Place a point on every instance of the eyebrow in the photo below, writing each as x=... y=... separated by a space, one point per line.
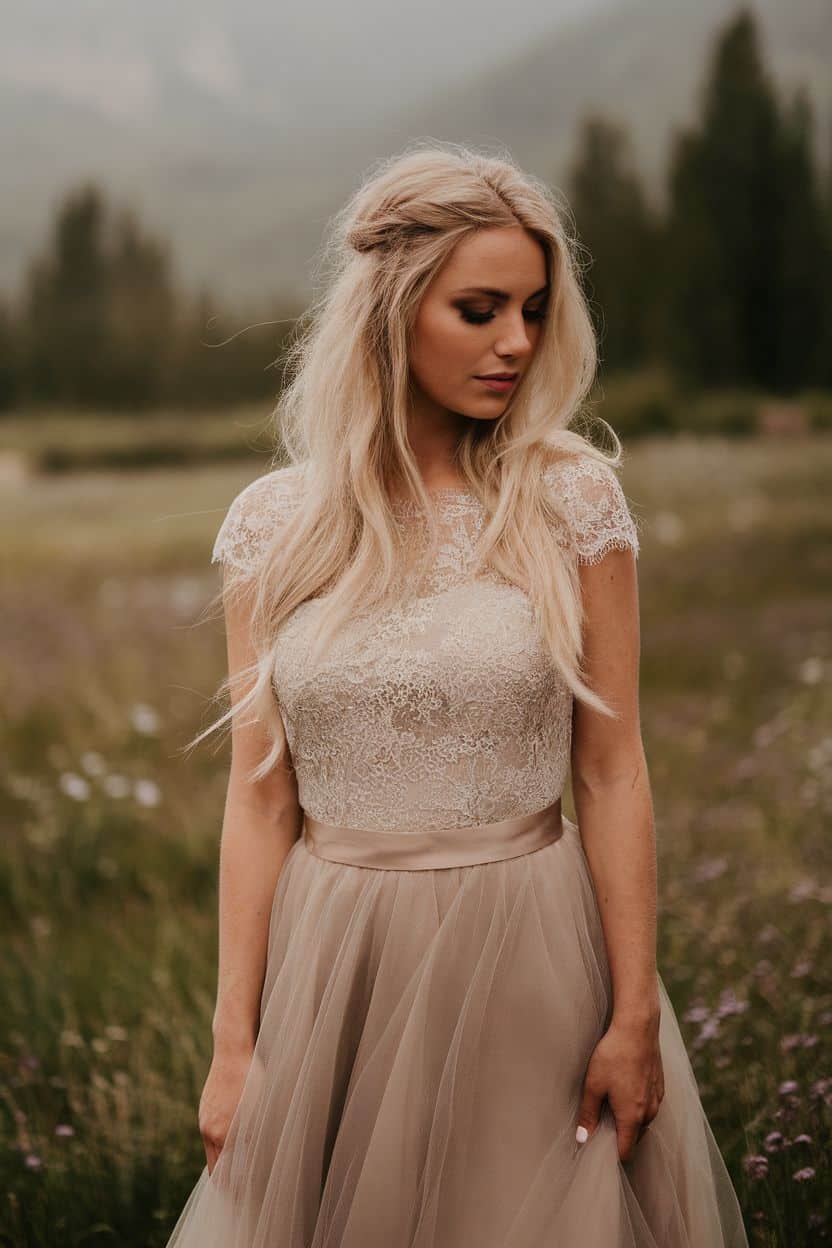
x=498 y=294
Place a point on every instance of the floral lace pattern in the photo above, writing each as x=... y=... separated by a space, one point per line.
x=599 y=518
x=445 y=711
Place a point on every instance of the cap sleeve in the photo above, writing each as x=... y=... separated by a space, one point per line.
x=597 y=513
x=253 y=517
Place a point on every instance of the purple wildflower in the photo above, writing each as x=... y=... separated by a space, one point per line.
x=756 y=1166
x=729 y=1003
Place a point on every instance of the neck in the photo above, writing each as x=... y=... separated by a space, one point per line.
x=434 y=434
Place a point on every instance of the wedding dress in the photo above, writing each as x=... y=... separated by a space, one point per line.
x=437 y=977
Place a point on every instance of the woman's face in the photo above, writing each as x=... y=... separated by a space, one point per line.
x=482 y=314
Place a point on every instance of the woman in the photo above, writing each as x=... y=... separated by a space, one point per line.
x=439 y=1022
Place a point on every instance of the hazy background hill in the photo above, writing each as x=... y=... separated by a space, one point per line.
x=230 y=137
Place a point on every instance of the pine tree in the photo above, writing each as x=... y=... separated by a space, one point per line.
x=617 y=227
x=66 y=327
x=745 y=231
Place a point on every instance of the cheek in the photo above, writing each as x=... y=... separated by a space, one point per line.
x=445 y=349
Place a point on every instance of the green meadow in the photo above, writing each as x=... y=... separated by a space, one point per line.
x=110 y=829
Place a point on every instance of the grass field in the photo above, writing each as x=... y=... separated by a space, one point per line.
x=110 y=834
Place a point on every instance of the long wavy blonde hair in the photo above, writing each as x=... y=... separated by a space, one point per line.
x=344 y=416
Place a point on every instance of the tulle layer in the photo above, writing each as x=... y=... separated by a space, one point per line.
x=418 y=1069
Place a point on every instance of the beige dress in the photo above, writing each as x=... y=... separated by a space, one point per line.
x=437 y=976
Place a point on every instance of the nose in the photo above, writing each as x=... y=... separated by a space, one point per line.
x=514 y=339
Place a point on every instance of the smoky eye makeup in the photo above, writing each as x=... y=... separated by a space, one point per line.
x=475 y=316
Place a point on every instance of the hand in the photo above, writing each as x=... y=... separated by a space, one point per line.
x=626 y=1068
x=220 y=1099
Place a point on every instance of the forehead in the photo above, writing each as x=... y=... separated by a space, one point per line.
x=507 y=257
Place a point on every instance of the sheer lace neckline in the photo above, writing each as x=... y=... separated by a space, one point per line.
x=440 y=495
x=595 y=515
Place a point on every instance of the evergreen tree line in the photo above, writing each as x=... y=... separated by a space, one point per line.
x=725 y=284
x=100 y=323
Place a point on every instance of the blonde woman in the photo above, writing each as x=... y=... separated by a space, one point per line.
x=439 y=1022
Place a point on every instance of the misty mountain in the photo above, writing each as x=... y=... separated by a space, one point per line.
x=237 y=138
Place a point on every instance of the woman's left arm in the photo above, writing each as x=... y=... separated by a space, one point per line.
x=613 y=806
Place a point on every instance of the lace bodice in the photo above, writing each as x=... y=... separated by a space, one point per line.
x=447 y=711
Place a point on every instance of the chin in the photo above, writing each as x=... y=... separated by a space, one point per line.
x=490 y=409
x=482 y=416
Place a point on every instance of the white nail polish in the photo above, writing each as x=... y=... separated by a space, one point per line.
x=582 y=1135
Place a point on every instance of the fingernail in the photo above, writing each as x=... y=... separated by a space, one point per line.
x=582 y=1135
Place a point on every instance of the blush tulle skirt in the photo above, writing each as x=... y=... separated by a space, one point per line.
x=423 y=1039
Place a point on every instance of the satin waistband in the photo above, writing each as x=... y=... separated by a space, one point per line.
x=437 y=848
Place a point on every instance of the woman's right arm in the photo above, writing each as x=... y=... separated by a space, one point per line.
x=261 y=822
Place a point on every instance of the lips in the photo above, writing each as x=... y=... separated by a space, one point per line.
x=500 y=383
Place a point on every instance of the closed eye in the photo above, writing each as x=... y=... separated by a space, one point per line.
x=480 y=318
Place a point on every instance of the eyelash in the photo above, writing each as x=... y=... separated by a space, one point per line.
x=481 y=318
